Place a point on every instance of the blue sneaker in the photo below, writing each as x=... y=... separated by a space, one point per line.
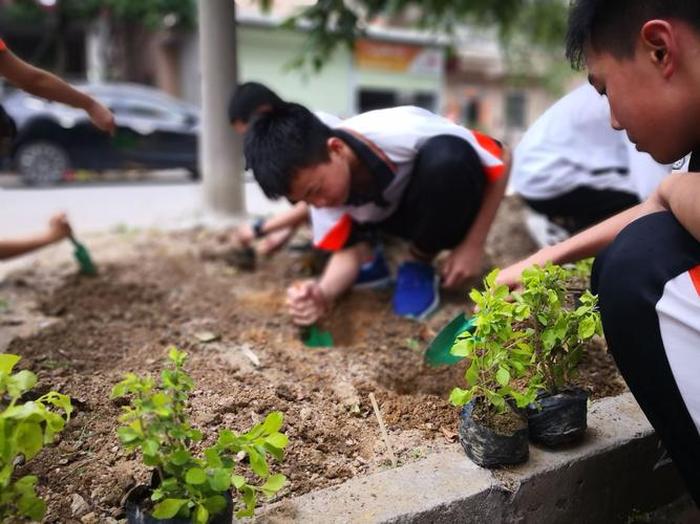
x=416 y=294
x=374 y=274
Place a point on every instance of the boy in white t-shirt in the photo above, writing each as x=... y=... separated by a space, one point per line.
x=575 y=169
x=401 y=171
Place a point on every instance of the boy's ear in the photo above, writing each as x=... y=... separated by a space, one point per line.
x=659 y=43
x=334 y=144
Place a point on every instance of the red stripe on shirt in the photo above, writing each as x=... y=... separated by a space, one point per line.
x=695 y=277
x=338 y=235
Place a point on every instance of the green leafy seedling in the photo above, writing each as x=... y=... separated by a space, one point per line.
x=560 y=324
x=192 y=485
x=25 y=428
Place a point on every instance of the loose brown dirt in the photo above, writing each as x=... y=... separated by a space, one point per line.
x=154 y=290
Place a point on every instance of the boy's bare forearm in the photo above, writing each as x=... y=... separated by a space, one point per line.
x=342 y=270
x=293 y=217
x=20 y=246
x=680 y=194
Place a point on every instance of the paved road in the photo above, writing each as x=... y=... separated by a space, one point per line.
x=164 y=202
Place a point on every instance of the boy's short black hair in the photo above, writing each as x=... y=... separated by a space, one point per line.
x=283 y=141
x=248 y=98
x=613 y=25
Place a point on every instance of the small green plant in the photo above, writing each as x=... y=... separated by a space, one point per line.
x=500 y=355
x=25 y=428
x=560 y=324
x=156 y=423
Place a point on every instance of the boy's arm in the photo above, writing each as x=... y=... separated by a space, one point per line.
x=58 y=229
x=586 y=244
x=680 y=194
x=292 y=217
x=465 y=260
x=43 y=84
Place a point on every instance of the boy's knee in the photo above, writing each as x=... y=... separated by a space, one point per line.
x=630 y=275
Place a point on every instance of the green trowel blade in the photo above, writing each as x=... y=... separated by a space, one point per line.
x=438 y=352
x=314 y=337
x=82 y=255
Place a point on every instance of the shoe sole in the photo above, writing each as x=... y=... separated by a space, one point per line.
x=432 y=307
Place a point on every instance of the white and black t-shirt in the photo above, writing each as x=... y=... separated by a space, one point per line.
x=387 y=141
x=573 y=145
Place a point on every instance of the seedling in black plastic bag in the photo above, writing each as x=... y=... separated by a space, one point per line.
x=190 y=485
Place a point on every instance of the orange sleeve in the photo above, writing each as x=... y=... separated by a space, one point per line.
x=493 y=173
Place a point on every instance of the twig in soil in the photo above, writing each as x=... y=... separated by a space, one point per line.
x=385 y=435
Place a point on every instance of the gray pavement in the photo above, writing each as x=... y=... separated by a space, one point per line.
x=158 y=200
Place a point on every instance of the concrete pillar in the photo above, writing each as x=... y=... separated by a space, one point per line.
x=96 y=48
x=220 y=156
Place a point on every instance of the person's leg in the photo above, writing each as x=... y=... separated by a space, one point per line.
x=648 y=281
x=436 y=212
x=442 y=197
x=583 y=207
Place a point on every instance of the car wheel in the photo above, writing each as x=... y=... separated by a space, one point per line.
x=41 y=163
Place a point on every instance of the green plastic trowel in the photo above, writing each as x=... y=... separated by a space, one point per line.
x=82 y=255
x=315 y=337
x=438 y=352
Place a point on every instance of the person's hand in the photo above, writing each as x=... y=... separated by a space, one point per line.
x=306 y=302
x=101 y=117
x=512 y=275
x=59 y=228
x=244 y=235
x=463 y=263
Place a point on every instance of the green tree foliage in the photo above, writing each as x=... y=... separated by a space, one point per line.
x=192 y=486
x=332 y=23
x=25 y=428
x=155 y=14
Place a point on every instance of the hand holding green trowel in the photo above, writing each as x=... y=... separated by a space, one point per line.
x=307 y=304
x=58 y=229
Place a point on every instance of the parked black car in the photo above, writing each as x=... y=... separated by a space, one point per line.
x=154 y=131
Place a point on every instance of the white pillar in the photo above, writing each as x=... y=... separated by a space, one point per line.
x=96 y=48
x=220 y=156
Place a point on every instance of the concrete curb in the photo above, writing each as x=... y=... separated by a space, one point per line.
x=618 y=468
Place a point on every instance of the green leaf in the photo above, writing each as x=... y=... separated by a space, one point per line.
x=176 y=356
x=238 y=481
x=220 y=479
x=127 y=434
x=278 y=440
x=21 y=382
x=249 y=499
x=273 y=422
x=273 y=484
x=7 y=362
x=195 y=476
x=472 y=373
x=216 y=504
x=168 y=508
x=201 y=515
x=28 y=439
x=587 y=328
x=180 y=457
x=502 y=376
x=150 y=447
x=459 y=397
x=257 y=462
